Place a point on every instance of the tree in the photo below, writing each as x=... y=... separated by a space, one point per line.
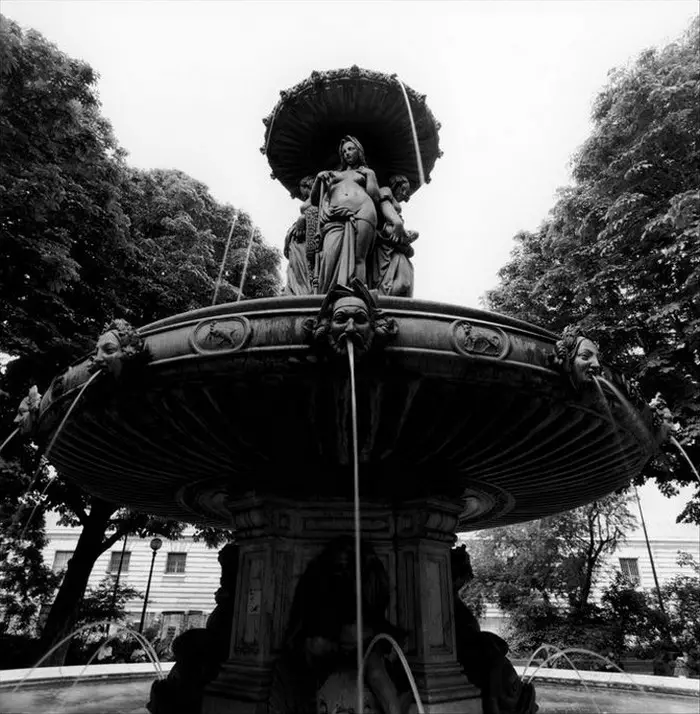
x=619 y=251
x=681 y=595
x=26 y=583
x=542 y=573
x=85 y=239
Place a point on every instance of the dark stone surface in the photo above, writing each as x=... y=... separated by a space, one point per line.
x=462 y=403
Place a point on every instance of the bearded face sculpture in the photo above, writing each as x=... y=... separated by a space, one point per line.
x=349 y=314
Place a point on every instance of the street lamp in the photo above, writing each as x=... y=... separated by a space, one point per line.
x=156 y=544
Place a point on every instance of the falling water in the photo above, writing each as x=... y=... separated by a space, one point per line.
x=9 y=439
x=559 y=653
x=223 y=259
x=682 y=451
x=47 y=452
x=563 y=655
x=404 y=662
x=624 y=403
x=416 y=145
x=356 y=498
x=245 y=264
x=147 y=647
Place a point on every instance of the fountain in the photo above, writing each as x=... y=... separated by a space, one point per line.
x=242 y=416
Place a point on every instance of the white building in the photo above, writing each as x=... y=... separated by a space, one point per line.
x=186 y=573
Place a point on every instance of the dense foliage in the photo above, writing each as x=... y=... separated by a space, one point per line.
x=542 y=573
x=619 y=252
x=84 y=239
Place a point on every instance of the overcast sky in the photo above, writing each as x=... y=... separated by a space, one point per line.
x=186 y=84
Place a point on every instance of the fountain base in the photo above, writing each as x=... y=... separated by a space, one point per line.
x=277 y=540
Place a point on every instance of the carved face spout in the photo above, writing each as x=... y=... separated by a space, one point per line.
x=108 y=354
x=350 y=321
x=586 y=364
x=350 y=154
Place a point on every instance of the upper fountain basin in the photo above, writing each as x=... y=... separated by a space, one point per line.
x=462 y=403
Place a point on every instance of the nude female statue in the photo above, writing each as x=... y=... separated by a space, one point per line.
x=347 y=201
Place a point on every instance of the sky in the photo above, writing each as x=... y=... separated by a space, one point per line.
x=186 y=84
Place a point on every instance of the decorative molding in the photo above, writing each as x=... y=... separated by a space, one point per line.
x=221 y=335
x=470 y=338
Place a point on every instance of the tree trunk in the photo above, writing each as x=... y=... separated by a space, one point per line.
x=64 y=610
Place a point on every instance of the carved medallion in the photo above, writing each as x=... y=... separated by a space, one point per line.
x=475 y=339
x=229 y=334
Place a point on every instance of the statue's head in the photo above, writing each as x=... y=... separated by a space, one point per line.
x=351 y=153
x=305 y=186
x=461 y=565
x=338 y=695
x=27 y=411
x=400 y=187
x=350 y=314
x=578 y=356
x=117 y=344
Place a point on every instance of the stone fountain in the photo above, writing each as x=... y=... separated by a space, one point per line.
x=239 y=415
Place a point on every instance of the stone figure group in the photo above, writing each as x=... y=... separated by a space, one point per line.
x=350 y=227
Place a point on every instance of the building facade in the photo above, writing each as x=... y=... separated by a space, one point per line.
x=186 y=573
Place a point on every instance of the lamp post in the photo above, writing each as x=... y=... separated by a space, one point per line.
x=156 y=544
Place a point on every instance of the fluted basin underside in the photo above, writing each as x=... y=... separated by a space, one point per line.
x=462 y=404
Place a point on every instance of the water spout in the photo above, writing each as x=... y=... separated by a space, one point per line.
x=404 y=662
x=414 y=133
x=223 y=259
x=683 y=453
x=356 y=499
x=9 y=439
x=47 y=452
x=147 y=647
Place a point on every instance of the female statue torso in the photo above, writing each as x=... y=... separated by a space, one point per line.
x=348 y=217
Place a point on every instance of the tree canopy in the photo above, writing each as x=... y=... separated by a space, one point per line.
x=85 y=238
x=619 y=252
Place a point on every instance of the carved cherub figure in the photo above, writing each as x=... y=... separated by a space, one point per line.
x=391 y=271
x=297 y=245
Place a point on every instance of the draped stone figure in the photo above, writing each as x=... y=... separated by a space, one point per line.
x=296 y=244
x=347 y=201
x=391 y=271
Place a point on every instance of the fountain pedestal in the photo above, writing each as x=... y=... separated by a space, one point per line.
x=278 y=539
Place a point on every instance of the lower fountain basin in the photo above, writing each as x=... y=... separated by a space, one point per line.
x=122 y=689
x=462 y=403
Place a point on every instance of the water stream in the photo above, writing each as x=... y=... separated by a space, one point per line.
x=683 y=453
x=358 y=533
x=9 y=439
x=223 y=259
x=414 y=133
x=147 y=647
x=46 y=454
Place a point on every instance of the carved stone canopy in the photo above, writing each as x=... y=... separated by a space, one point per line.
x=302 y=131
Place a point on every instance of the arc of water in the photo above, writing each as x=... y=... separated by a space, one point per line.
x=47 y=452
x=416 y=145
x=225 y=256
x=148 y=648
x=563 y=654
x=356 y=504
x=404 y=662
x=675 y=442
x=9 y=439
x=245 y=263
x=152 y=656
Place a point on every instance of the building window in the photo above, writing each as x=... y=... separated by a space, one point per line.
x=60 y=560
x=175 y=563
x=115 y=557
x=630 y=569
